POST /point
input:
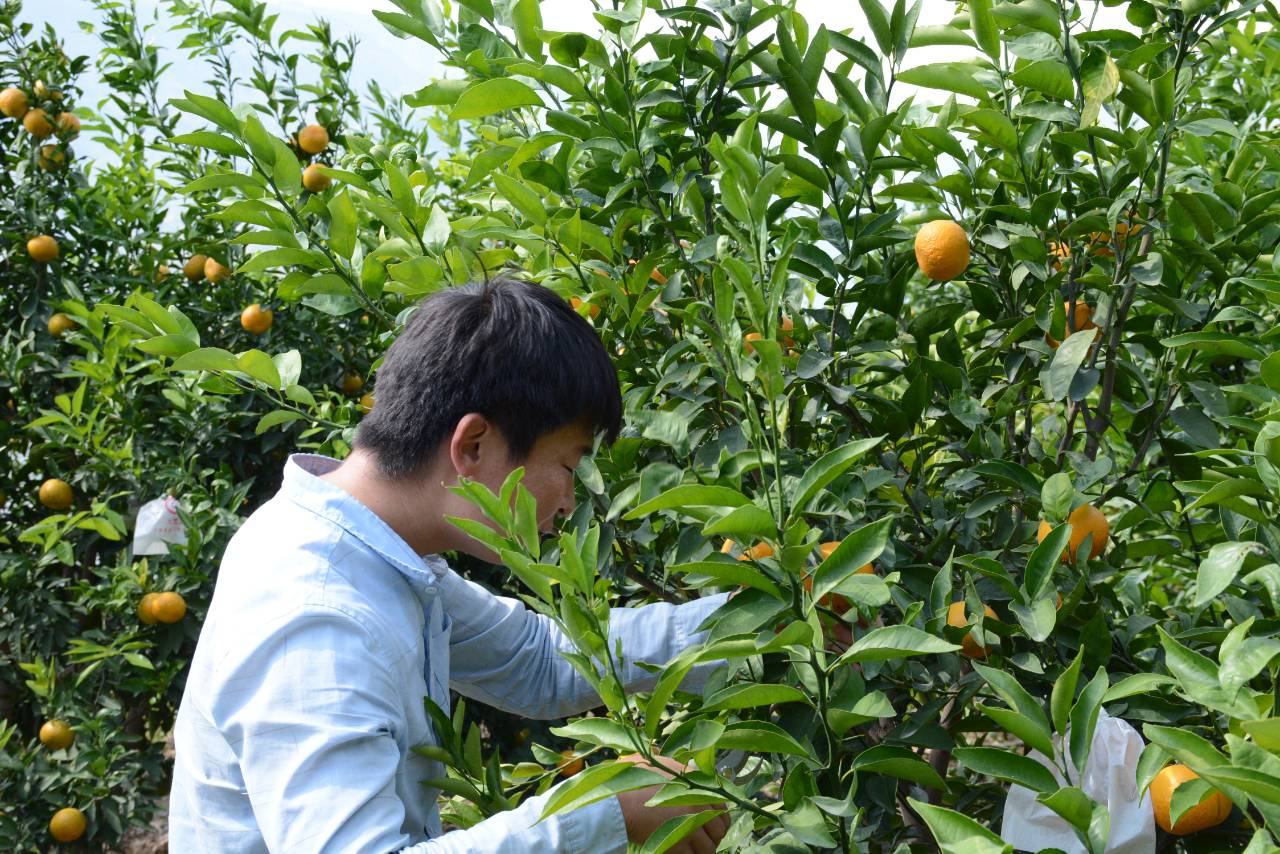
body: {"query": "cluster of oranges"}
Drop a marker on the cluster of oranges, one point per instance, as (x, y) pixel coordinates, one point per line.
(68, 824)
(314, 139)
(43, 122)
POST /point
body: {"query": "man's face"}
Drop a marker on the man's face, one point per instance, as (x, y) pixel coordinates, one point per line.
(480, 452)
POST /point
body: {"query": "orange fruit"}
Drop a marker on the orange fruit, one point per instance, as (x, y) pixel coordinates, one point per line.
(759, 551)
(1212, 811)
(55, 494)
(1081, 320)
(1085, 520)
(727, 548)
(194, 268)
(216, 272)
(56, 735)
(13, 102)
(51, 158)
(313, 139)
(1062, 251)
(68, 123)
(571, 765)
(315, 180)
(145, 612)
(942, 250)
(67, 825)
(256, 319)
(168, 607)
(366, 403)
(787, 326)
(748, 338)
(162, 272)
(834, 601)
(37, 123)
(42, 248)
(60, 325)
(592, 308)
(351, 383)
(657, 276)
(968, 646)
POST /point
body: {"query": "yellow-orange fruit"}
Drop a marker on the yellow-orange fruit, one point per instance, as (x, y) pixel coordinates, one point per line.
(571, 765)
(215, 271)
(942, 250)
(351, 383)
(194, 268)
(42, 248)
(1212, 811)
(1081, 320)
(315, 180)
(592, 308)
(13, 102)
(56, 494)
(37, 123)
(256, 319)
(748, 338)
(162, 272)
(168, 607)
(825, 549)
(1086, 520)
(313, 139)
(67, 825)
(759, 551)
(60, 324)
(968, 646)
(366, 403)
(51, 158)
(68, 123)
(1062, 252)
(145, 612)
(56, 735)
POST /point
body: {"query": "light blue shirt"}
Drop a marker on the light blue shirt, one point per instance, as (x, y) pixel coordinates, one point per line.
(304, 697)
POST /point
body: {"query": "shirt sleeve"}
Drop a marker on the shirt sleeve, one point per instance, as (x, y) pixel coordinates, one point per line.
(505, 655)
(311, 712)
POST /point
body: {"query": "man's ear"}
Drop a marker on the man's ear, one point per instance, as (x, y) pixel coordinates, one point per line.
(472, 444)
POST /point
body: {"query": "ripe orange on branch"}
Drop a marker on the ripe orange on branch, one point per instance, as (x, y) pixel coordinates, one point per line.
(256, 319)
(351, 383)
(56, 735)
(942, 250)
(1213, 810)
(1081, 319)
(168, 607)
(315, 180)
(67, 825)
(42, 248)
(56, 494)
(60, 324)
(13, 102)
(592, 308)
(366, 403)
(968, 646)
(68, 123)
(1086, 520)
(215, 271)
(194, 268)
(37, 123)
(571, 765)
(313, 139)
(145, 612)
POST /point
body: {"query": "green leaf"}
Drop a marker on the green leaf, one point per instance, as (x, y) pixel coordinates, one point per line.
(760, 737)
(730, 573)
(1020, 701)
(752, 695)
(206, 359)
(1217, 343)
(493, 96)
(855, 551)
(984, 28)
(743, 522)
(948, 76)
(282, 257)
(1057, 496)
(212, 141)
(526, 20)
(438, 93)
(1066, 363)
(673, 830)
(892, 642)
(167, 345)
(603, 731)
(275, 418)
(898, 762)
(1136, 684)
(1010, 767)
(342, 224)
(1049, 76)
(827, 468)
(1084, 719)
(956, 833)
(1219, 568)
(1064, 692)
(690, 495)
(1089, 818)
(1038, 578)
(879, 23)
(258, 365)
(522, 197)
(1162, 94)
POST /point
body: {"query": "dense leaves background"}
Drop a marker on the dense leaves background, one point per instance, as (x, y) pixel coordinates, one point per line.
(692, 175)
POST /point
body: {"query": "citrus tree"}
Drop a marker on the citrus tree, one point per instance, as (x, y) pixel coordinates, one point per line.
(985, 375)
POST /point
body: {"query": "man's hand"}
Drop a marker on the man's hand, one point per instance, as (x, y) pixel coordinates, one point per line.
(642, 821)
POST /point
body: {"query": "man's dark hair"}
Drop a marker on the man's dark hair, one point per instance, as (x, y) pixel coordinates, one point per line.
(509, 349)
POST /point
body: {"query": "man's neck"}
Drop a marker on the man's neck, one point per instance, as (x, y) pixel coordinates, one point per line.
(405, 506)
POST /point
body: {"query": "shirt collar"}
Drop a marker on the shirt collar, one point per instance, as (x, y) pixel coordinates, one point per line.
(302, 485)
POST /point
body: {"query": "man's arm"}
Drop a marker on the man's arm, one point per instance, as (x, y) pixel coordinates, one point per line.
(507, 656)
(311, 713)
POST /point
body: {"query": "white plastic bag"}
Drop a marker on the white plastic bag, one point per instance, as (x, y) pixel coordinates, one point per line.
(158, 525)
(1110, 779)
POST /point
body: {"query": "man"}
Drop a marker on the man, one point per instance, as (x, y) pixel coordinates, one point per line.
(334, 613)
